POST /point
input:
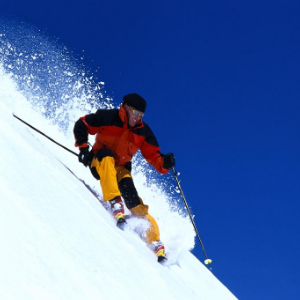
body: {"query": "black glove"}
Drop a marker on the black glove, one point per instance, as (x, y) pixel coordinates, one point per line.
(85, 156)
(169, 161)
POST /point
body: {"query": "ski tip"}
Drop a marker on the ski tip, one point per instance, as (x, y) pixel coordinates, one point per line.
(121, 223)
(162, 259)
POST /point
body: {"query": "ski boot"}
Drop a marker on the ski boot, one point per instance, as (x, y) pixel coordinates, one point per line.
(117, 207)
(159, 249)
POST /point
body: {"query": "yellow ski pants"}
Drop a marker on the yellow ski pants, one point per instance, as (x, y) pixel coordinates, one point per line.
(116, 180)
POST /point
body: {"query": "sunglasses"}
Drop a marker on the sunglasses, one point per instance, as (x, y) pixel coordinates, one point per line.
(136, 112)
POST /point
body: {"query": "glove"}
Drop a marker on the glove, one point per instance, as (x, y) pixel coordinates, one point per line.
(85, 156)
(169, 161)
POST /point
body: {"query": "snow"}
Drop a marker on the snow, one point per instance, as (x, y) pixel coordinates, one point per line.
(59, 242)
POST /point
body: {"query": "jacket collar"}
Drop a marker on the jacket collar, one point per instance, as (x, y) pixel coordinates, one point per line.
(124, 118)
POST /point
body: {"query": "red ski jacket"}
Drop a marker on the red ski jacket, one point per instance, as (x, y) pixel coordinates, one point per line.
(112, 132)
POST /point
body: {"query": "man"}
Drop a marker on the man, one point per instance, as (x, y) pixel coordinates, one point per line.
(120, 133)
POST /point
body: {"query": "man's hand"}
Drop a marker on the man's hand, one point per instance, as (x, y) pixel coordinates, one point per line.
(169, 161)
(84, 156)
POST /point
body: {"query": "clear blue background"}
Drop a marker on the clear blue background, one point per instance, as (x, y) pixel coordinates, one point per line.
(223, 87)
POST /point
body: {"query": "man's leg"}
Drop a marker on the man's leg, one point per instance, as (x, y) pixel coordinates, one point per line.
(135, 204)
(103, 165)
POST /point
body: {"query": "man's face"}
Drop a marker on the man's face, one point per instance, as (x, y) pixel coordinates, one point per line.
(134, 116)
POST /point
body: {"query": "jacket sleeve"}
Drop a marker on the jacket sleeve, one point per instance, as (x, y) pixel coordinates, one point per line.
(151, 152)
(86, 125)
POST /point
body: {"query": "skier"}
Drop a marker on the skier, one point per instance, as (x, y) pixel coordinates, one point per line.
(120, 133)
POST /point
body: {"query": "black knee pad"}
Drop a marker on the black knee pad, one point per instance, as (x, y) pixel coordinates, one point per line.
(129, 193)
(95, 173)
(104, 152)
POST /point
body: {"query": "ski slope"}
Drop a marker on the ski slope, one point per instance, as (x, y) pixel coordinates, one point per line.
(58, 242)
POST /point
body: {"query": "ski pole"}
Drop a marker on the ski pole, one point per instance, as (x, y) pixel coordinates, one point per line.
(45, 135)
(207, 261)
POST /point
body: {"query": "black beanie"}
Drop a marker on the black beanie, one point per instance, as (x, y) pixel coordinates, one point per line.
(135, 101)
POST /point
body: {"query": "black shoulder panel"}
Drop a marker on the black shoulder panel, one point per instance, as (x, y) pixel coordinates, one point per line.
(104, 118)
(147, 133)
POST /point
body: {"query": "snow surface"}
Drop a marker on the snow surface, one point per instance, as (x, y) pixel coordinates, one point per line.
(57, 240)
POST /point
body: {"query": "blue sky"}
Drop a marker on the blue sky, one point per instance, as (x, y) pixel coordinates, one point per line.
(222, 83)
